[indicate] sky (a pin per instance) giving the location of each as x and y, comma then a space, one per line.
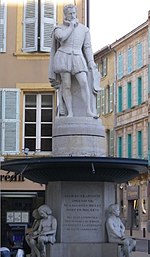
112, 19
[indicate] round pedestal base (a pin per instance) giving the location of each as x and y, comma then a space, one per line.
78, 136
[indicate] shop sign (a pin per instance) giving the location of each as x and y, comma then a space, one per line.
12, 178
133, 192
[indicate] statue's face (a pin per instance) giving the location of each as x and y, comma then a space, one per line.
70, 14
43, 213
117, 211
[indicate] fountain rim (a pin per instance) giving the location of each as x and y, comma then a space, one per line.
44, 169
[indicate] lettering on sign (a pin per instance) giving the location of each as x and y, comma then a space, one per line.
82, 215
12, 178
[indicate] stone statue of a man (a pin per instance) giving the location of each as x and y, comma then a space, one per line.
116, 231
72, 57
44, 231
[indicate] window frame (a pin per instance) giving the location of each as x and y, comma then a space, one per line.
38, 121
3, 21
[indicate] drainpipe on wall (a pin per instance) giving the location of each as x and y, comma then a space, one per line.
115, 102
149, 88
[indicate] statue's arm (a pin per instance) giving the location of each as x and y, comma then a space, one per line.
62, 34
87, 49
112, 229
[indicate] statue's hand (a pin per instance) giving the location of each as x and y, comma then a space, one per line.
92, 65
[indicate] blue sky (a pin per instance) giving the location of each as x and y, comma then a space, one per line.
112, 19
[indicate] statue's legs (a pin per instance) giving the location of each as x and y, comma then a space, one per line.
66, 92
85, 92
41, 245
33, 245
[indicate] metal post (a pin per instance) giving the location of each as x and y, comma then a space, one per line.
144, 232
130, 231
148, 246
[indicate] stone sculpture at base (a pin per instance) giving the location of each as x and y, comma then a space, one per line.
116, 231
72, 67
44, 233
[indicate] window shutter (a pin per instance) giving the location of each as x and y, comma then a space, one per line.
129, 60
111, 97
98, 103
103, 99
9, 121
111, 143
120, 66
139, 55
3, 19
30, 26
47, 24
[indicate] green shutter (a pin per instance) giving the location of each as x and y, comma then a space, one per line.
139, 144
9, 121
30, 26
119, 146
119, 99
3, 19
129, 144
129, 95
47, 24
139, 90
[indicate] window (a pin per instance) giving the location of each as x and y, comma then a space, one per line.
9, 121
120, 66
39, 19
129, 145
139, 55
104, 67
120, 99
38, 119
109, 97
129, 95
119, 146
139, 90
139, 144
3, 19
130, 60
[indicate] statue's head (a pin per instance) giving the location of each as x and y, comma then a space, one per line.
114, 209
44, 210
70, 12
35, 214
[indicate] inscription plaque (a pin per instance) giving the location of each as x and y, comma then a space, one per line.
82, 212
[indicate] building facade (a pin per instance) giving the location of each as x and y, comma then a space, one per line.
129, 71
27, 101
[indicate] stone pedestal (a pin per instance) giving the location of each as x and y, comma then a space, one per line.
78, 136
79, 208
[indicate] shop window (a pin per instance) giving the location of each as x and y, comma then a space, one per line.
3, 21
38, 23
38, 119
